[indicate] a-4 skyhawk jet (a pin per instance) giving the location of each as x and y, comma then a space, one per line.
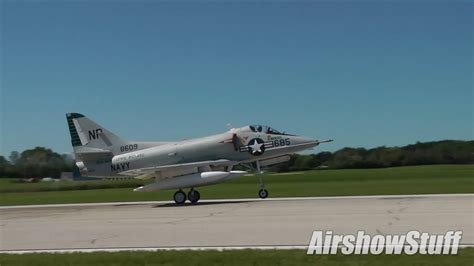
185, 164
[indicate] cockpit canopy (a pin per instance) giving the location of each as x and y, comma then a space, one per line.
265, 129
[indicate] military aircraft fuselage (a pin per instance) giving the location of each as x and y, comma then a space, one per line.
185, 164
243, 145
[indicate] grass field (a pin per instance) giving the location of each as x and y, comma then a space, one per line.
10, 185
241, 257
433, 179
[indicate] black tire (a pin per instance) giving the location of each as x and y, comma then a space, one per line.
179, 197
194, 196
263, 193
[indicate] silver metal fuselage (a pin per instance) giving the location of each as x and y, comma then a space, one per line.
220, 146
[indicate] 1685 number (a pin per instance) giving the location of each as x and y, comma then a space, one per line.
281, 142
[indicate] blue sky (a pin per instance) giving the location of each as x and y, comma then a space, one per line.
366, 74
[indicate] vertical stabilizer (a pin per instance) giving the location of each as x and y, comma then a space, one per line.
85, 133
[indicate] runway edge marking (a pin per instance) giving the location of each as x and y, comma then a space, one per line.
154, 249
236, 200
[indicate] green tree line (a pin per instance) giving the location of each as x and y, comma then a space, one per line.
43, 162
37, 162
436, 152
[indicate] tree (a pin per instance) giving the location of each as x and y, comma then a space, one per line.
14, 157
4, 166
438, 152
42, 162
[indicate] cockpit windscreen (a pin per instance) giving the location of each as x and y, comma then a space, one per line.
265, 129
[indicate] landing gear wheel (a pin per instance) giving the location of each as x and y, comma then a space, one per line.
194, 196
179, 197
263, 193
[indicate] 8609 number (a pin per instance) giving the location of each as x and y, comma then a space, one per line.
130, 147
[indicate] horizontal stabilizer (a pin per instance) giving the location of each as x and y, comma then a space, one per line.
89, 150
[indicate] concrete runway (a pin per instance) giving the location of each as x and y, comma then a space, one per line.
284, 222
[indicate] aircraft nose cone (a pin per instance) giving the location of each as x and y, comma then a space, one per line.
309, 140
303, 143
304, 140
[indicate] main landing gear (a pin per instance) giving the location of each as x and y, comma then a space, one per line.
194, 196
180, 197
262, 192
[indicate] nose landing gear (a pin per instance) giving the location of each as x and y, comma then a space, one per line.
262, 193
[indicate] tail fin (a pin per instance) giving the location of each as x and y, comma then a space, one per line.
88, 136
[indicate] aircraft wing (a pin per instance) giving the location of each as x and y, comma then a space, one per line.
174, 169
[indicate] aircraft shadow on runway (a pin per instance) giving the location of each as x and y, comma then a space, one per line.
200, 204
